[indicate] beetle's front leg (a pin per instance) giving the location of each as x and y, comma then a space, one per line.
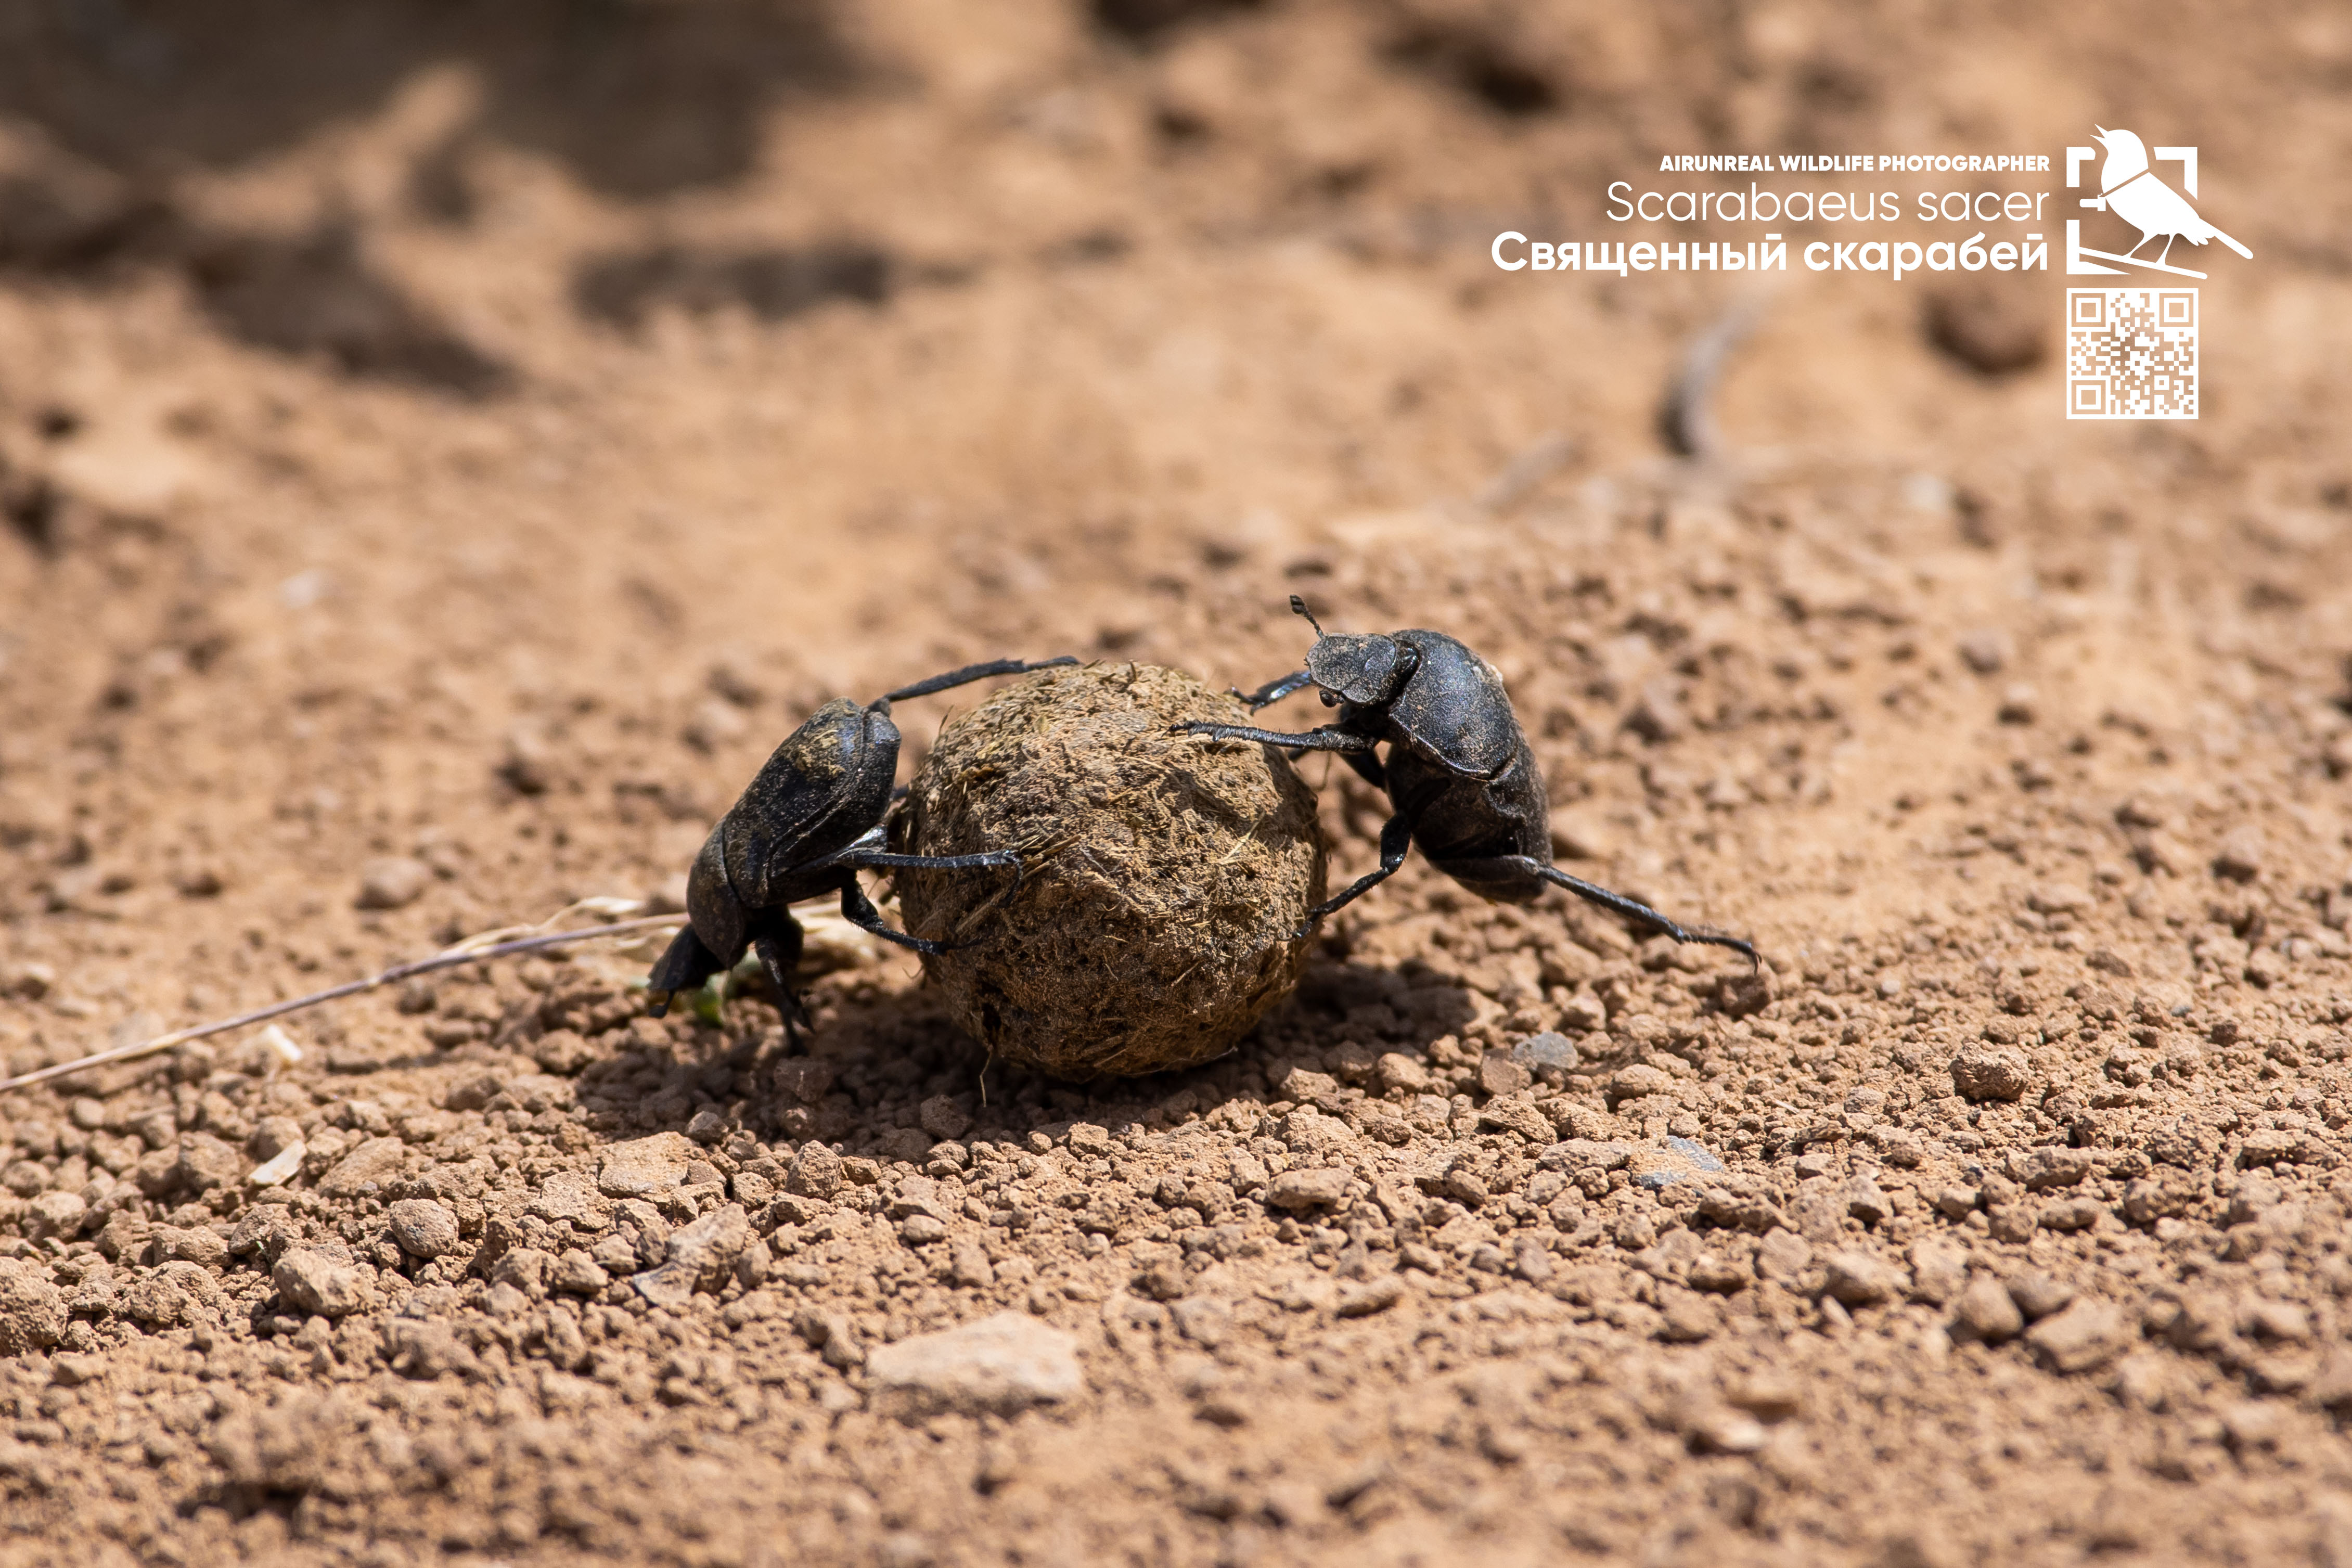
867, 855
860, 910
1274, 690
776, 938
1326, 739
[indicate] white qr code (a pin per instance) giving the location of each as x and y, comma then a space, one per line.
2131, 354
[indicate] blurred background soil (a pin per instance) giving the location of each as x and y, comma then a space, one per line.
443, 448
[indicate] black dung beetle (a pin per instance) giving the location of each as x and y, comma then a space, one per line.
806, 824
1459, 772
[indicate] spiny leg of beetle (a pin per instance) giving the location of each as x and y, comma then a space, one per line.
860, 910
1274, 690
1396, 837
860, 859
1634, 908
971, 672
1321, 740
685, 966
776, 938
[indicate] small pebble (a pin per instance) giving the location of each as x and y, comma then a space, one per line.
2071, 1214
1308, 1189
1372, 1296
942, 1117
1985, 1310
2085, 1336
1674, 1159
1721, 1429
577, 1274
2038, 1295
1984, 651
2252, 1424
815, 1171
1549, 1056
1638, 1081
32, 1309
1769, 1394
312, 1282
1939, 1268
1689, 1317
1720, 1273
1983, 1072
391, 882
1584, 1013
1499, 1074
2279, 1320
1000, 1365
1783, 1255
969, 1264
1856, 1279
1865, 1201
2242, 855
1163, 1282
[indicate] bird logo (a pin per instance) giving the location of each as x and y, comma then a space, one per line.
2131, 189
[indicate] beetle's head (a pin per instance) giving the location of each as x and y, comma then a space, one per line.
1361, 669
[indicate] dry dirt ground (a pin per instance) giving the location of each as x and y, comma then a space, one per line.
470, 437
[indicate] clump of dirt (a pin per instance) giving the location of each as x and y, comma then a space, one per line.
1159, 922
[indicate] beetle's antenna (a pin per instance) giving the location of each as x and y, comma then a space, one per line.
1299, 607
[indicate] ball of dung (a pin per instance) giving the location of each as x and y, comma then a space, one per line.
1165, 874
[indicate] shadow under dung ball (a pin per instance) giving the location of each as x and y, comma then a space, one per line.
1164, 882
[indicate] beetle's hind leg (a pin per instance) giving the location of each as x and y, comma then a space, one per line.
684, 967
970, 673
1632, 907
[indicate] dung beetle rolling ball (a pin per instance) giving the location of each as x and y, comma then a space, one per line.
808, 823
1459, 772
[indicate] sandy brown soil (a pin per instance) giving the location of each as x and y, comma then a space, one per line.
470, 437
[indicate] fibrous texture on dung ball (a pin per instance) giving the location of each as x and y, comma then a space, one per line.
1164, 878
